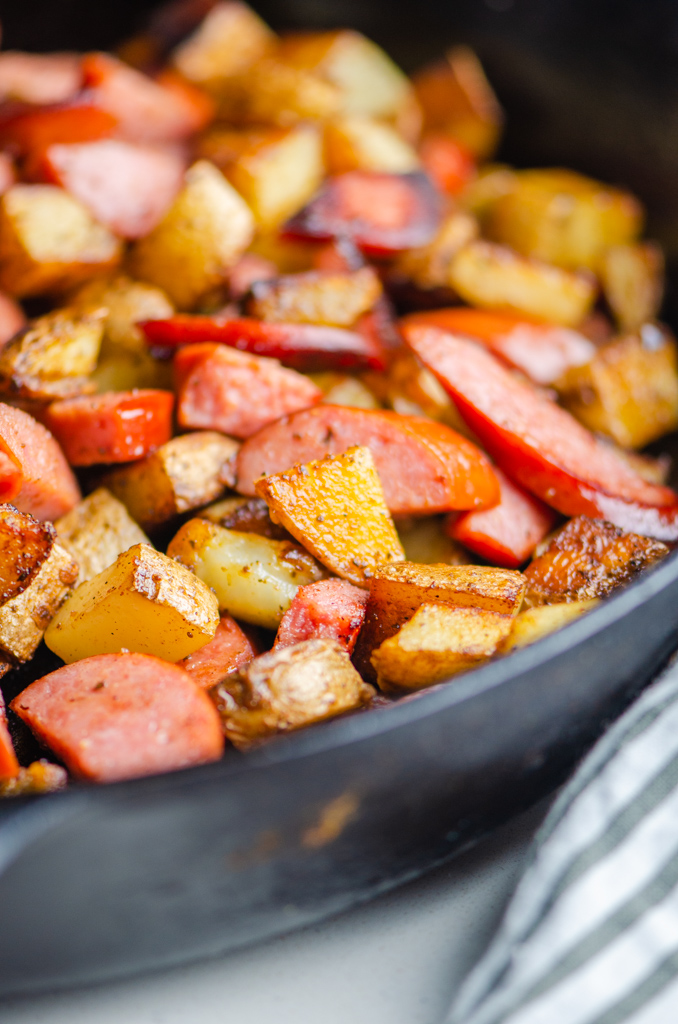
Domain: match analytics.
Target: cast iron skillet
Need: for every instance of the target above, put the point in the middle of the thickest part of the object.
(97, 883)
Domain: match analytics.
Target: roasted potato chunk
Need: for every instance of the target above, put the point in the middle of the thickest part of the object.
(229, 39)
(182, 474)
(49, 242)
(397, 591)
(437, 642)
(272, 92)
(367, 80)
(494, 277)
(632, 277)
(121, 370)
(203, 233)
(341, 389)
(412, 390)
(535, 623)
(24, 619)
(40, 777)
(629, 390)
(126, 302)
(429, 267)
(145, 602)
(246, 515)
(96, 531)
(358, 143)
(588, 558)
(317, 297)
(54, 357)
(425, 542)
(287, 689)
(457, 99)
(25, 546)
(563, 218)
(254, 577)
(335, 507)
(276, 170)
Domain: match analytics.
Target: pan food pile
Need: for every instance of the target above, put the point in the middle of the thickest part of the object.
(352, 408)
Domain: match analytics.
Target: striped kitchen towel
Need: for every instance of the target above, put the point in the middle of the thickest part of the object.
(591, 933)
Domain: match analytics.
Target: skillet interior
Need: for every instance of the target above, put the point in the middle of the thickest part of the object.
(97, 883)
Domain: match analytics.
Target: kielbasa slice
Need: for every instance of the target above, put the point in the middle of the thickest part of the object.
(328, 610)
(224, 653)
(34, 474)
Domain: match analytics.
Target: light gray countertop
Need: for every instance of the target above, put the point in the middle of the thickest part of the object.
(397, 960)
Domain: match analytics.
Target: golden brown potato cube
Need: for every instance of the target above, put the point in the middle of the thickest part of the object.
(25, 545)
(335, 507)
(494, 277)
(437, 642)
(121, 370)
(145, 602)
(316, 297)
(368, 81)
(229, 39)
(246, 515)
(358, 143)
(49, 242)
(481, 193)
(287, 689)
(96, 531)
(457, 99)
(182, 474)
(54, 357)
(276, 170)
(587, 558)
(40, 777)
(425, 542)
(629, 390)
(341, 389)
(563, 218)
(24, 619)
(632, 277)
(535, 623)
(254, 577)
(397, 591)
(412, 390)
(429, 267)
(275, 93)
(289, 255)
(126, 302)
(203, 233)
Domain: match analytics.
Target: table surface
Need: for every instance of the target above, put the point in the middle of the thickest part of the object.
(397, 960)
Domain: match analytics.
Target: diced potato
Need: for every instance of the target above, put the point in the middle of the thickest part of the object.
(436, 643)
(24, 619)
(126, 302)
(122, 370)
(587, 558)
(535, 623)
(182, 474)
(396, 591)
(425, 542)
(40, 777)
(335, 507)
(358, 143)
(228, 40)
(276, 170)
(429, 267)
(494, 277)
(412, 390)
(457, 99)
(54, 357)
(632, 277)
(368, 81)
(145, 602)
(563, 218)
(205, 230)
(25, 545)
(317, 297)
(290, 256)
(49, 242)
(629, 390)
(246, 515)
(340, 389)
(287, 689)
(275, 93)
(96, 531)
(254, 577)
(481, 193)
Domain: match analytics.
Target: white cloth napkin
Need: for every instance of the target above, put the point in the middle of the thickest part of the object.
(591, 933)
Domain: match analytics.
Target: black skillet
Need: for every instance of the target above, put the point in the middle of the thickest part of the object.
(97, 883)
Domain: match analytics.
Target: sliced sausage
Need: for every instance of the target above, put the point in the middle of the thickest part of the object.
(9, 766)
(425, 467)
(34, 474)
(120, 716)
(237, 394)
(227, 651)
(39, 78)
(329, 610)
